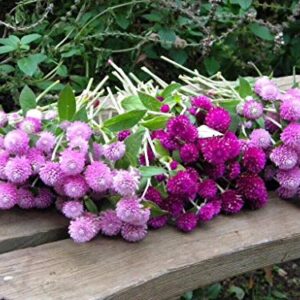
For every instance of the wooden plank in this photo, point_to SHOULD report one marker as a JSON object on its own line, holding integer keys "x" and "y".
{"x": 21, "y": 229}
{"x": 164, "y": 265}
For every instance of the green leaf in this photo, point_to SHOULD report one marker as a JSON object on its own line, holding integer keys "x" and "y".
{"x": 27, "y": 99}
{"x": 154, "y": 17}
{"x": 279, "y": 295}
{"x": 151, "y": 171}
{"x": 11, "y": 41}
{"x": 211, "y": 65}
{"x": 6, "y": 69}
{"x": 27, "y": 39}
{"x": 244, "y": 4}
{"x": 66, "y": 104}
{"x": 170, "y": 89}
{"x": 6, "y": 49}
{"x": 179, "y": 55}
{"x": 235, "y": 122}
{"x": 81, "y": 115}
{"x": 244, "y": 88}
{"x": 261, "y": 31}
{"x": 71, "y": 52}
{"x": 213, "y": 291}
{"x": 150, "y": 102}
{"x": 167, "y": 37}
{"x": 62, "y": 71}
{"x": 132, "y": 103}
{"x": 156, "y": 211}
{"x": 30, "y": 64}
{"x": 160, "y": 149}
{"x": 90, "y": 205}
{"x": 237, "y": 291}
{"x": 230, "y": 105}
{"x": 122, "y": 21}
{"x": 157, "y": 122}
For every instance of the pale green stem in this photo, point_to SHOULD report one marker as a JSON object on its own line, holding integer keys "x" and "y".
{"x": 40, "y": 96}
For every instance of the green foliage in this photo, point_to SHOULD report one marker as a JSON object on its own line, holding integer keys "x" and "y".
{"x": 66, "y": 104}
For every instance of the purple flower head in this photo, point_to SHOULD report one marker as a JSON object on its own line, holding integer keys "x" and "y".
{"x": 36, "y": 159}
{"x": 114, "y": 151}
{"x": 290, "y": 110}
{"x": 260, "y": 138}
{"x": 16, "y": 142}
{"x": 97, "y": 151}
{"x": 165, "y": 108}
{"x": 44, "y": 199}
{"x": 123, "y": 135}
{"x": 269, "y": 92}
{"x": 3, "y": 118}
{"x": 233, "y": 145}
{"x": 234, "y": 170}
{"x": 8, "y": 195}
{"x": 133, "y": 233}
{"x": 110, "y": 224}
{"x": 232, "y": 202}
{"x": 189, "y": 153}
{"x": 46, "y": 142}
{"x": 160, "y": 177}
{"x": 79, "y": 144}
{"x": 187, "y": 222}
{"x": 254, "y": 159}
{"x": 30, "y": 125}
{"x": 18, "y": 169}
{"x": 78, "y": 129}
{"x": 158, "y": 222}
{"x": 202, "y": 102}
{"x": 25, "y": 198}
{"x": 215, "y": 171}
{"x": 71, "y": 162}
{"x": 154, "y": 195}
{"x": 75, "y": 186}
{"x": 125, "y": 182}
{"x": 50, "y": 115}
{"x": 150, "y": 154}
{"x": 174, "y": 205}
{"x": 207, "y": 212}
{"x": 214, "y": 150}
{"x": 160, "y": 98}
{"x": 64, "y": 125}
{"x": 169, "y": 142}
{"x": 289, "y": 179}
{"x": 269, "y": 124}
{"x": 83, "y": 228}
{"x": 72, "y": 209}
{"x": 260, "y": 83}
{"x": 50, "y": 173}
{"x": 174, "y": 164}
{"x": 291, "y": 135}
{"x": 252, "y": 110}
{"x": 285, "y": 193}
{"x": 284, "y": 157}
{"x": 219, "y": 119}
{"x": 207, "y": 189}
{"x": 98, "y": 176}
{"x": 4, "y": 157}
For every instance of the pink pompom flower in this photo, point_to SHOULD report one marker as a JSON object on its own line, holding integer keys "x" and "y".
{"x": 284, "y": 157}
{"x": 8, "y": 195}
{"x": 36, "y": 158}
{"x": 16, "y": 142}
{"x": 46, "y": 142}
{"x": 44, "y": 198}
{"x": 18, "y": 169}
{"x": 75, "y": 186}
{"x": 252, "y": 110}
{"x": 30, "y": 125}
{"x": 25, "y": 199}
{"x": 133, "y": 233}
{"x": 260, "y": 138}
{"x": 72, "y": 162}
{"x": 50, "y": 173}
{"x": 219, "y": 119}
{"x": 125, "y": 182}
{"x": 72, "y": 209}
{"x": 109, "y": 223}
{"x": 78, "y": 129}
{"x": 114, "y": 151}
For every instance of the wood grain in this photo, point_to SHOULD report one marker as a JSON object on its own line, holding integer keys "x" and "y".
{"x": 164, "y": 265}
{"x": 21, "y": 229}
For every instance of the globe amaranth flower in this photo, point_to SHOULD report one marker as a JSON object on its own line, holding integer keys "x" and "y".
{"x": 132, "y": 211}
{"x": 79, "y": 144}
{"x": 169, "y": 142}
{"x": 36, "y": 158}
{"x": 123, "y": 135}
{"x": 154, "y": 195}
{"x": 30, "y": 125}
{"x": 72, "y": 162}
{"x": 133, "y": 233}
{"x": 189, "y": 153}
{"x": 271, "y": 119}
{"x": 254, "y": 159}
{"x": 260, "y": 138}
{"x": 291, "y": 135}
{"x": 173, "y": 204}
{"x": 232, "y": 144}
{"x": 16, "y": 142}
{"x": 50, "y": 115}
{"x": 114, "y": 151}
{"x": 75, "y": 186}
{"x": 44, "y": 198}
{"x": 232, "y": 202}
{"x": 109, "y": 223}
{"x": 50, "y": 173}
{"x": 46, "y": 142}
{"x": 234, "y": 170}
{"x": 151, "y": 156}
{"x": 207, "y": 189}
{"x": 202, "y": 102}
{"x": 290, "y": 110}
{"x": 219, "y": 119}
{"x": 98, "y": 176}
{"x": 284, "y": 157}
{"x": 18, "y": 169}
{"x": 83, "y": 228}
{"x": 78, "y": 129}
{"x": 165, "y": 108}
{"x": 158, "y": 222}
{"x": 25, "y": 198}
{"x": 187, "y": 222}
{"x": 252, "y": 110}
{"x": 72, "y": 209}
{"x": 8, "y": 195}
{"x": 208, "y": 211}
{"x": 294, "y": 92}
{"x": 3, "y": 119}
{"x": 269, "y": 92}
{"x": 289, "y": 179}
{"x": 215, "y": 171}
{"x": 174, "y": 164}
{"x": 125, "y": 182}
{"x": 97, "y": 151}
{"x": 4, "y": 157}
{"x": 285, "y": 193}
{"x": 260, "y": 83}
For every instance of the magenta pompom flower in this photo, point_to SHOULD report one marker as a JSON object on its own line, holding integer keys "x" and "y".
{"x": 79, "y": 144}
{"x": 109, "y": 223}
{"x": 254, "y": 159}
{"x": 208, "y": 211}
{"x": 187, "y": 222}
{"x": 36, "y": 159}
{"x": 72, "y": 162}
{"x": 158, "y": 222}
{"x": 218, "y": 119}
{"x": 291, "y": 135}
{"x": 215, "y": 150}
{"x": 284, "y": 157}
{"x": 125, "y": 182}
{"x": 202, "y": 102}
{"x": 252, "y": 110}
{"x": 154, "y": 195}
{"x": 289, "y": 179}
{"x": 234, "y": 170}
{"x": 133, "y": 233}
{"x": 3, "y": 118}
{"x": 8, "y": 195}
{"x": 72, "y": 209}
{"x": 30, "y": 125}
{"x": 232, "y": 202}
{"x": 114, "y": 151}
{"x": 18, "y": 169}
{"x": 123, "y": 135}
{"x": 216, "y": 171}
{"x": 16, "y": 142}
{"x": 189, "y": 153}
{"x": 285, "y": 193}
{"x": 207, "y": 189}
{"x": 75, "y": 186}
{"x": 25, "y": 198}
{"x": 290, "y": 110}
{"x": 78, "y": 129}
{"x": 165, "y": 108}
{"x": 44, "y": 199}
{"x": 98, "y": 176}
{"x": 50, "y": 173}
{"x": 46, "y": 142}
{"x": 173, "y": 205}
{"x": 260, "y": 138}
{"x": 4, "y": 157}
{"x": 232, "y": 144}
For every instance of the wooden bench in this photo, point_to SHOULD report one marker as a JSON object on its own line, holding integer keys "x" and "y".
{"x": 37, "y": 262}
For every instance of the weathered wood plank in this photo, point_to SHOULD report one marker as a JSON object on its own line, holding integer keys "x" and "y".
{"x": 164, "y": 265}
{"x": 21, "y": 229}
{"x": 286, "y": 82}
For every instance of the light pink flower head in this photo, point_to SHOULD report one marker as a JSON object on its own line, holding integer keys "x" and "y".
{"x": 44, "y": 199}
{"x": 18, "y": 169}
{"x": 4, "y": 157}
{"x": 110, "y": 224}
{"x": 30, "y": 125}
{"x": 25, "y": 198}
{"x": 72, "y": 209}
{"x": 72, "y": 162}
{"x": 36, "y": 159}
{"x": 46, "y": 142}
{"x": 269, "y": 92}
{"x": 260, "y": 138}
{"x": 16, "y": 142}
{"x": 75, "y": 186}
{"x": 125, "y": 182}
{"x": 50, "y": 173}
{"x": 260, "y": 83}
{"x": 8, "y": 195}
{"x": 79, "y": 144}
{"x": 79, "y": 129}
{"x": 3, "y": 118}
{"x": 114, "y": 151}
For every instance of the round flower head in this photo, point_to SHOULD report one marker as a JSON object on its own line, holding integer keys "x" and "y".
{"x": 234, "y": 170}
{"x": 71, "y": 162}
{"x": 295, "y": 92}
{"x": 25, "y": 198}
{"x": 271, "y": 119}
{"x": 78, "y": 129}
{"x": 207, "y": 189}
{"x": 3, "y": 118}
{"x": 289, "y": 179}
{"x": 269, "y": 92}
{"x": 187, "y": 222}
{"x": 260, "y": 83}
{"x": 232, "y": 202}
{"x": 44, "y": 199}
{"x": 75, "y": 186}
{"x": 97, "y": 151}
{"x": 218, "y": 119}
{"x": 1, "y": 142}
{"x": 98, "y": 176}
{"x": 252, "y": 110}
{"x": 232, "y": 144}
{"x": 114, "y": 151}
{"x": 207, "y": 212}
{"x": 214, "y": 150}
{"x": 72, "y": 209}
{"x": 284, "y": 157}
{"x": 16, "y": 142}
{"x": 254, "y": 159}
{"x": 83, "y": 229}
{"x": 132, "y": 212}
{"x": 290, "y": 110}
{"x": 110, "y": 224}
{"x": 165, "y": 108}
{"x": 260, "y": 138}
{"x": 64, "y": 125}
{"x": 133, "y": 233}
{"x": 18, "y": 169}
{"x": 202, "y": 102}
{"x": 291, "y": 135}
{"x": 4, "y": 157}
{"x": 50, "y": 173}
{"x": 79, "y": 144}
{"x": 215, "y": 171}
{"x": 125, "y": 182}
{"x": 286, "y": 193}
{"x": 158, "y": 222}
{"x": 123, "y": 135}
{"x": 154, "y": 195}
{"x": 30, "y": 125}
{"x": 46, "y": 142}
{"x": 36, "y": 159}
{"x": 189, "y": 153}
{"x": 50, "y": 115}
{"x": 8, "y": 195}
{"x": 170, "y": 143}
